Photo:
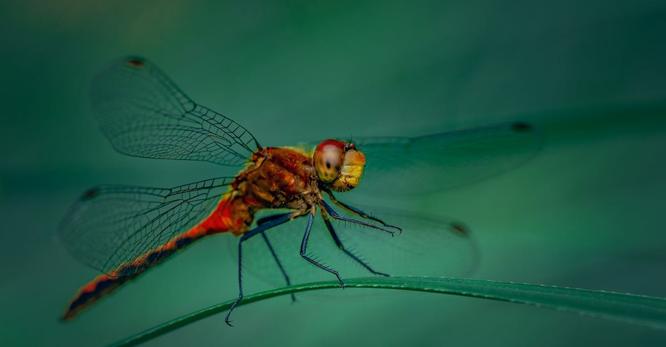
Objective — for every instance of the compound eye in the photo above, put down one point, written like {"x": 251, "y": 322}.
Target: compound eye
{"x": 327, "y": 159}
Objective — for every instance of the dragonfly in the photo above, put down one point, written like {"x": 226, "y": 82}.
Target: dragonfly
{"x": 123, "y": 231}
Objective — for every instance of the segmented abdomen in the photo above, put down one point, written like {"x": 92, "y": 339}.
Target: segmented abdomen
{"x": 106, "y": 283}
{"x": 230, "y": 215}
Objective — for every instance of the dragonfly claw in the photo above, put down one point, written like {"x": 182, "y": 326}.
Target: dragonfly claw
{"x": 231, "y": 309}
{"x": 342, "y": 284}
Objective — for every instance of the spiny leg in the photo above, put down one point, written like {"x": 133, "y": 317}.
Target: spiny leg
{"x": 304, "y": 250}
{"x": 283, "y": 218}
{"x": 277, "y": 261}
{"x": 268, "y": 218}
{"x": 338, "y": 242}
{"x": 358, "y": 212}
{"x": 335, "y": 215}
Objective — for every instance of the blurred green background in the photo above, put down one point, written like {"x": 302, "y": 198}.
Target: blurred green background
{"x": 587, "y": 212}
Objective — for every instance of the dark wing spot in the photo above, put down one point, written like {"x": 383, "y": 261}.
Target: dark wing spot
{"x": 136, "y": 63}
{"x": 90, "y": 193}
{"x": 521, "y": 127}
{"x": 460, "y": 229}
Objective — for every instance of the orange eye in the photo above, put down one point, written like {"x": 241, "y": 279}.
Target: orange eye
{"x": 328, "y": 158}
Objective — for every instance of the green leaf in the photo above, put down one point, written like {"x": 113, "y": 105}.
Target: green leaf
{"x": 637, "y": 309}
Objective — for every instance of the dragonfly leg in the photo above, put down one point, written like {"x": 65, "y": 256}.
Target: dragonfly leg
{"x": 277, "y": 261}
{"x": 338, "y": 242}
{"x": 304, "y": 250}
{"x": 283, "y": 218}
{"x": 267, "y": 219}
{"x": 335, "y": 215}
{"x": 358, "y": 212}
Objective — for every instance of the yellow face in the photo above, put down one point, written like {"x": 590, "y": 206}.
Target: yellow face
{"x": 338, "y": 164}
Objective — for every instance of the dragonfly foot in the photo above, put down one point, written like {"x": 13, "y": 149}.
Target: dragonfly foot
{"x": 342, "y": 284}
{"x": 227, "y": 319}
{"x": 381, "y": 274}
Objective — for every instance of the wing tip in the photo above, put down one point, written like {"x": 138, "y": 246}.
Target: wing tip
{"x": 521, "y": 127}
{"x": 460, "y": 229}
{"x": 89, "y": 194}
{"x": 135, "y": 61}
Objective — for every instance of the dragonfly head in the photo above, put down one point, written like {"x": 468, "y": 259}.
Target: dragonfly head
{"x": 339, "y": 164}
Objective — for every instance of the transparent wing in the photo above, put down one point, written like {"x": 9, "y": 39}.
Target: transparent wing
{"x": 144, "y": 114}
{"x": 114, "y": 224}
{"x": 434, "y": 246}
{"x": 416, "y": 165}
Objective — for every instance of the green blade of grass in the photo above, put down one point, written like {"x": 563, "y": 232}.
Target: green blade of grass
{"x": 637, "y": 309}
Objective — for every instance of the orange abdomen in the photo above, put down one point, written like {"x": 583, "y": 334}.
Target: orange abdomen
{"x": 224, "y": 218}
